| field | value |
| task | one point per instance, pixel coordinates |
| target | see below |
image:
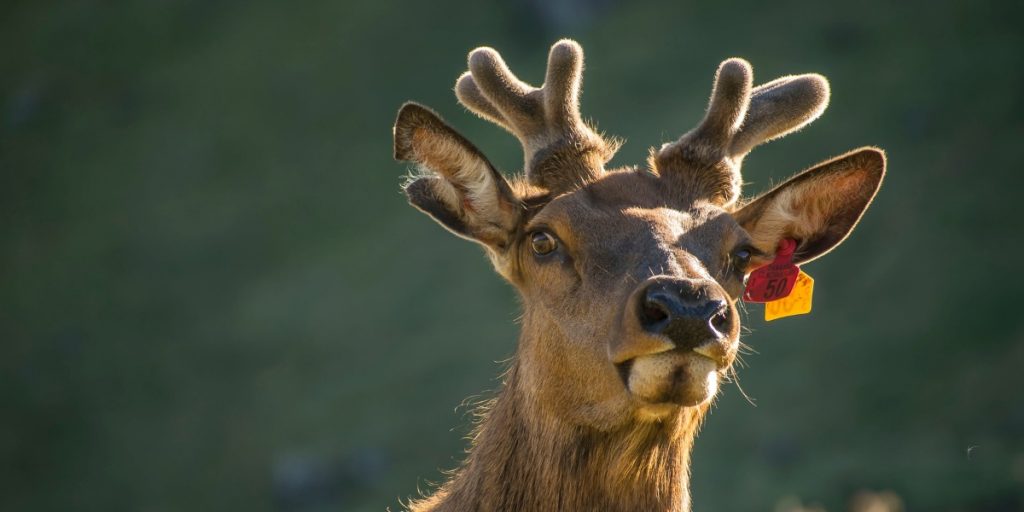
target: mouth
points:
(672, 379)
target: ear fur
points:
(818, 207)
(457, 185)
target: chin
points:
(671, 380)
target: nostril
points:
(655, 309)
(687, 313)
(720, 319)
(653, 312)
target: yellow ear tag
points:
(798, 302)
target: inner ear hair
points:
(456, 185)
(818, 207)
(422, 137)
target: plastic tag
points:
(798, 302)
(775, 280)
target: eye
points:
(741, 258)
(543, 243)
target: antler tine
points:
(708, 158)
(780, 107)
(560, 150)
(562, 84)
(470, 96)
(730, 97)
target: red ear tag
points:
(775, 280)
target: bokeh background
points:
(214, 297)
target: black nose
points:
(685, 311)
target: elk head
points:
(629, 277)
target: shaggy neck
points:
(520, 461)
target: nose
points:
(685, 310)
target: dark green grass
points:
(208, 269)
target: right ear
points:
(818, 207)
(457, 186)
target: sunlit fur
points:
(595, 412)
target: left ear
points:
(818, 207)
(457, 186)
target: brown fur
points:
(597, 412)
(707, 159)
(560, 150)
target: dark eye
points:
(741, 258)
(543, 243)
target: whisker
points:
(736, 379)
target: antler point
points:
(737, 70)
(483, 58)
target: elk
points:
(628, 277)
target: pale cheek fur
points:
(651, 376)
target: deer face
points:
(637, 289)
(629, 278)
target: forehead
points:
(636, 205)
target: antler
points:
(560, 150)
(708, 158)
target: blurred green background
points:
(214, 297)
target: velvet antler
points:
(560, 150)
(707, 159)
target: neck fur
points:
(521, 462)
